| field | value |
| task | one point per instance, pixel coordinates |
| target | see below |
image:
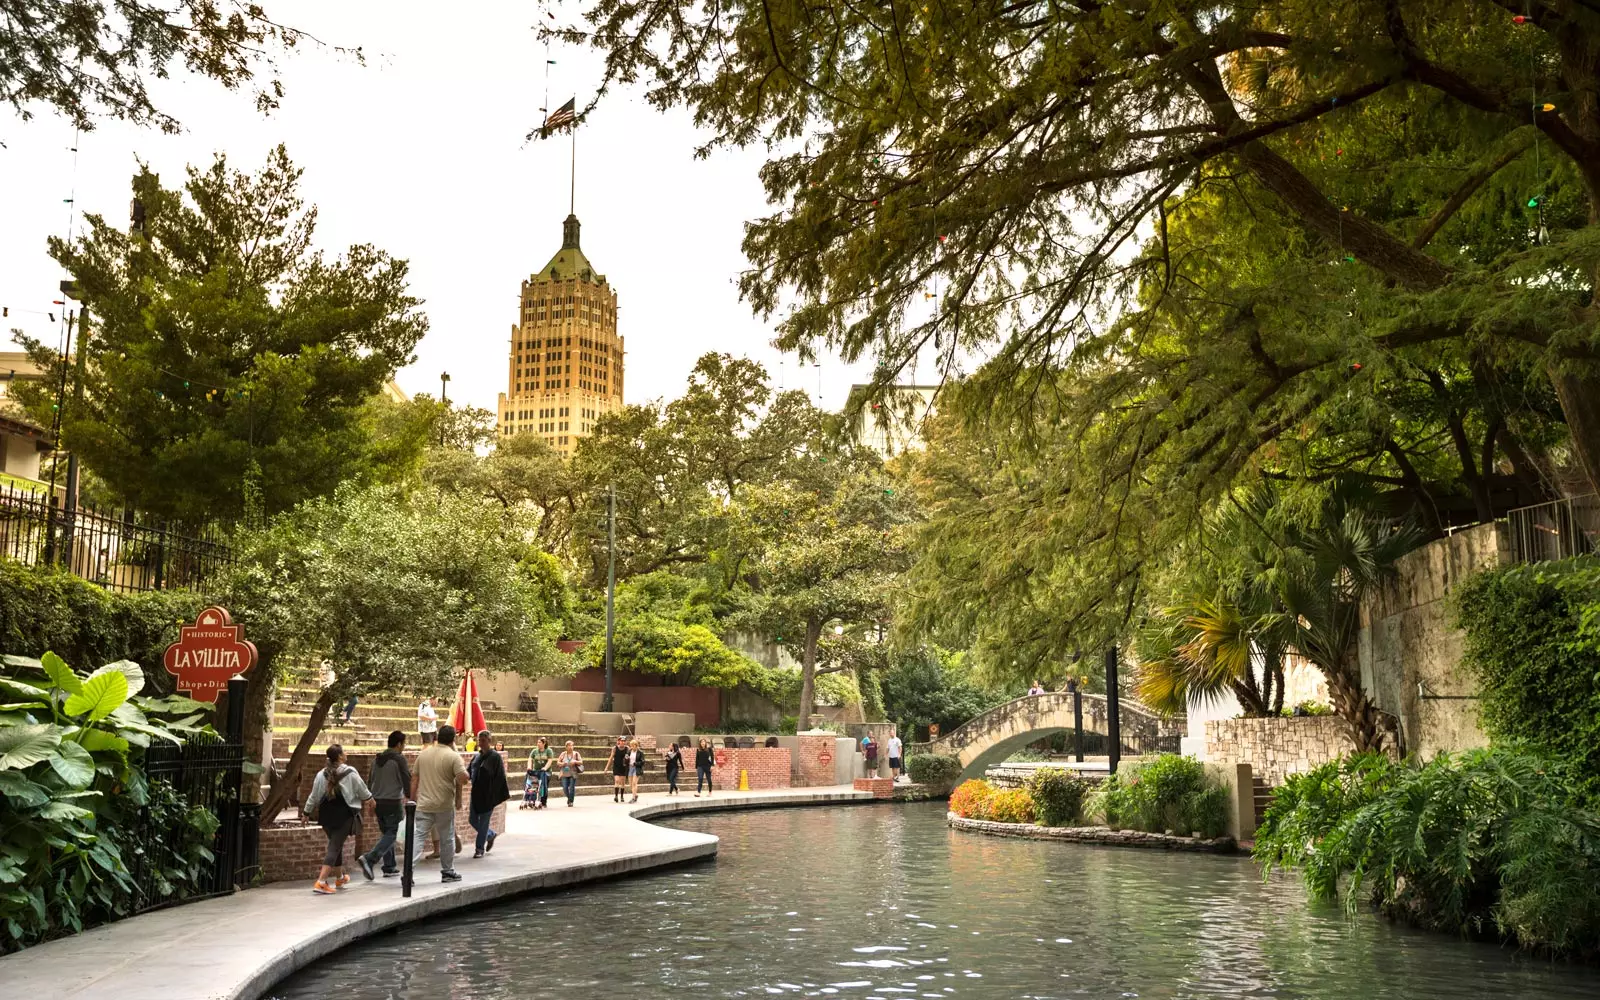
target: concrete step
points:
(408, 722)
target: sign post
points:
(208, 654)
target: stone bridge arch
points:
(1003, 730)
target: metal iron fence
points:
(1559, 529)
(206, 772)
(118, 550)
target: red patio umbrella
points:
(466, 715)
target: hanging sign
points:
(208, 654)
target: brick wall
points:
(292, 853)
(815, 766)
(768, 767)
(1277, 748)
(881, 788)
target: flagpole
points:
(572, 203)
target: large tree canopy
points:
(220, 343)
(1011, 158)
(87, 59)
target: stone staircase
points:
(1263, 794)
(377, 715)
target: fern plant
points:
(1489, 842)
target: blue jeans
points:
(390, 813)
(702, 778)
(480, 823)
(544, 788)
(570, 786)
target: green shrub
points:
(970, 800)
(1487, 841)
(1533, 642)
(85, 623)
(938, 771)
(75, 807)
(1058, 796)
(1011, 805)
(1168, 793)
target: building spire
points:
(569, 233)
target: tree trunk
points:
(808, 674)
(1357, 710)
(288, 787)
(1580, 405)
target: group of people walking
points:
(542, 762)
(435, 784)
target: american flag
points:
(560, 118)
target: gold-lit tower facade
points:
(565, 367)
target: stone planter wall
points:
(1094, 835)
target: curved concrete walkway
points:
(239, 946)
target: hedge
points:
(1533, 642)
(84, 623)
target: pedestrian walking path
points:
(237, 947)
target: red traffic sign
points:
(208, 654)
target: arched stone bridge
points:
(1002, 731)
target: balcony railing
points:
(1559, 529)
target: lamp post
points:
(444, 401)
(1113, 712)
(611, 587)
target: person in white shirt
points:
(895, 747)
(1037, 689)
(427, 721)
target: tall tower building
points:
(566, 356)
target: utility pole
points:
(611, 587)
(444, 401)
(69, 289)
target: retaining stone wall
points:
(1277, 748)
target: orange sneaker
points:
(322, 888)
(342, 881)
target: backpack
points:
(332, 794)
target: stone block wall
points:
(767, 768)
(1277, 748)
(1410, 649)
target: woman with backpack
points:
(335, 803)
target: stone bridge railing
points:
(1032, 717)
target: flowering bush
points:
(1012, 805)
(971, 799)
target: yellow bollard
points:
(744, 780)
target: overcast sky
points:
(421, 153)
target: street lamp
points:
(444, 400)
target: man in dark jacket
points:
(389, 783)
(489, 789)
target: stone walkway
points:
(239, 946)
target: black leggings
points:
(702, 779)
(337, 834)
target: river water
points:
(887, 902)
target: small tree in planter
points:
(938, 771)
(399, 589)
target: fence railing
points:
(118, 550)
(1559, 529)
(206, 772)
